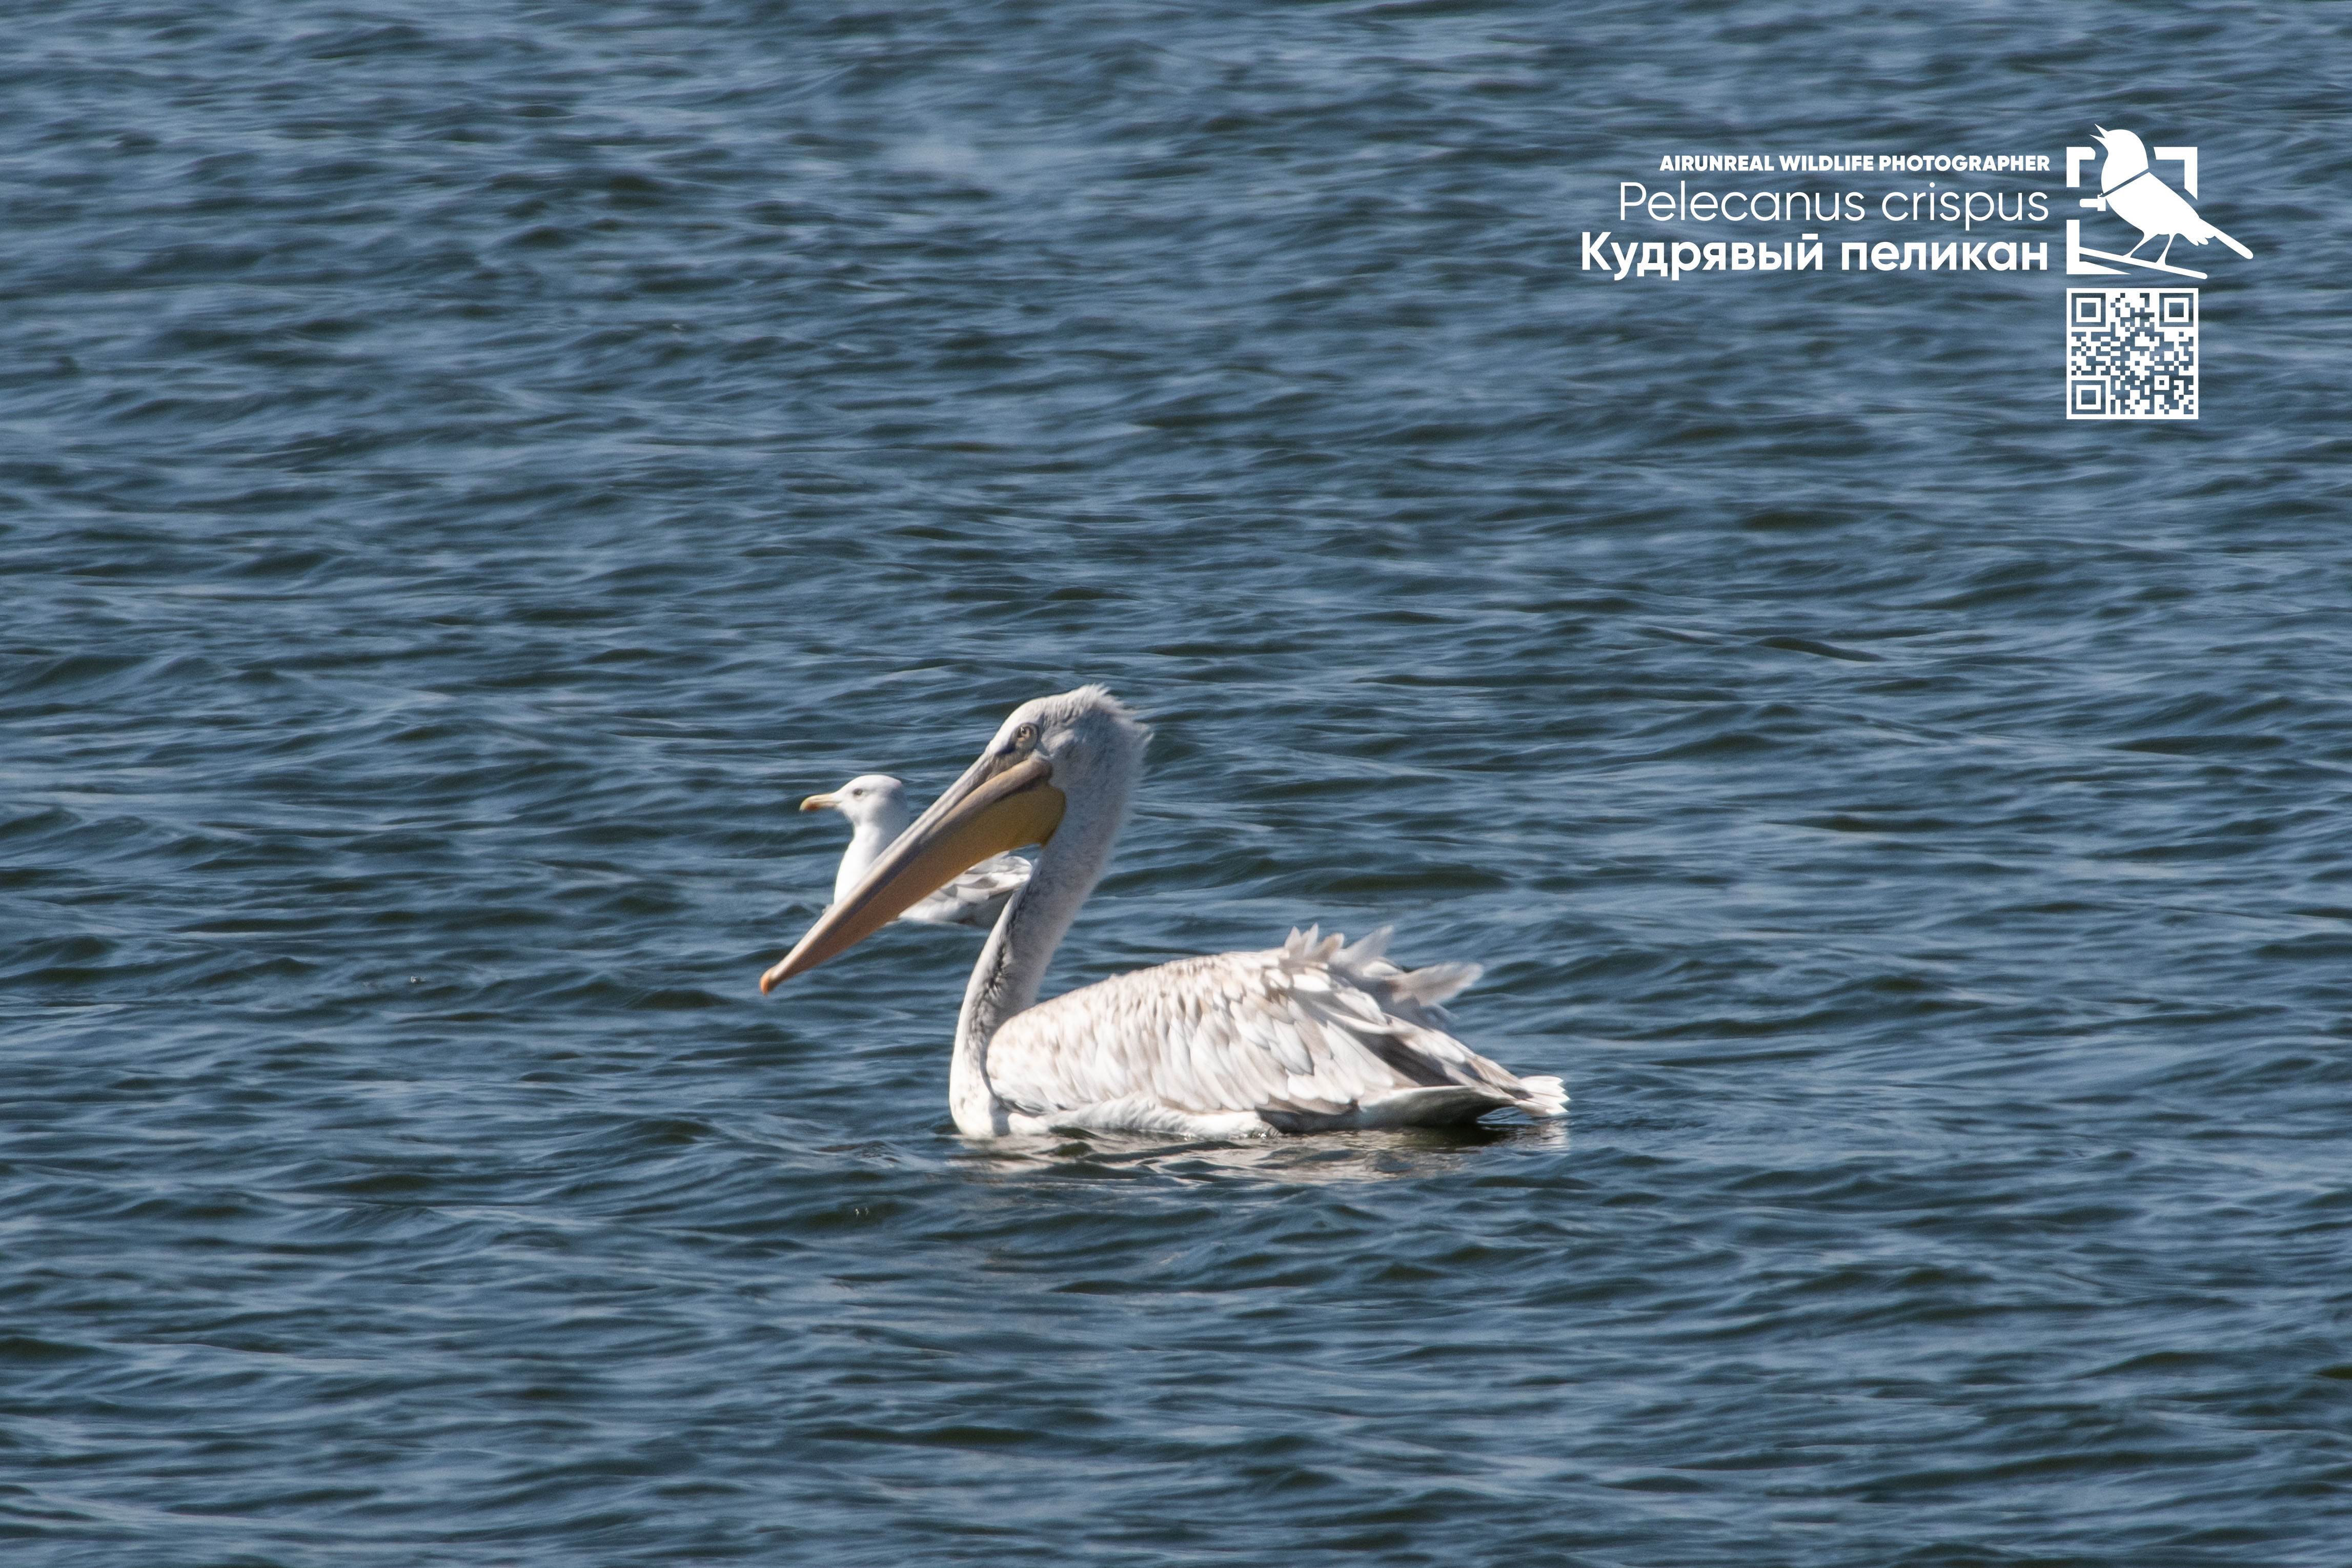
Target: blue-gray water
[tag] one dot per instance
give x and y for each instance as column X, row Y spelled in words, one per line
column 467, row 472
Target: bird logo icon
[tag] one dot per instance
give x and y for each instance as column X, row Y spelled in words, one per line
column 2131, row 189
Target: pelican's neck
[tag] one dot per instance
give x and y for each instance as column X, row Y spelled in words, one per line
column 869, row 836
column 1013, row 963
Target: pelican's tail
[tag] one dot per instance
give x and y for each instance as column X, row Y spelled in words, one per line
column 1545, row 1097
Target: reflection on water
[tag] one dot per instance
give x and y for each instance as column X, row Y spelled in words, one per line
column 1322, row 1158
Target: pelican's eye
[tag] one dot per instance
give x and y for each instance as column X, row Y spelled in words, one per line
column 1025, row 739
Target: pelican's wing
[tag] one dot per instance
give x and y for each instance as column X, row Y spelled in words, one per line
column 976, row 897
column 1307, row 1035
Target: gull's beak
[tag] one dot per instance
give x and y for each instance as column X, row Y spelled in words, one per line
column 991, row 809
column 820, row 802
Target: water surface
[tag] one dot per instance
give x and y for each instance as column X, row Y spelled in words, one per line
column 463, row 479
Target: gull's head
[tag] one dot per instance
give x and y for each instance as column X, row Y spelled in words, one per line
column 1072, row 757
column 868, row 797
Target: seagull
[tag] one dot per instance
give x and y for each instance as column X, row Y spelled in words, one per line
column 2133, row 192
column 876, row 805
column 1316, row 1034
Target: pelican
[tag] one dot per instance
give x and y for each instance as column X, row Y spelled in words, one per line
column 876, row 805
column 1310, row 1036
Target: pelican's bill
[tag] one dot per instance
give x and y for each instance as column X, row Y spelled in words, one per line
column 987, row 812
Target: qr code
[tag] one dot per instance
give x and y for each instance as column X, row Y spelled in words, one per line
column 2131, row 353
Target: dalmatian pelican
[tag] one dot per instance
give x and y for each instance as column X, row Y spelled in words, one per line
column 876, row 805
column 1313, row 1035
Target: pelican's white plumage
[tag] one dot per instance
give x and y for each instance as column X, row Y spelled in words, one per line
column 876, row 805
column 1309, row 1036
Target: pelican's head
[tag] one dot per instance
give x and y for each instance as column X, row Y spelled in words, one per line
column 1058, row 763
column 874, row 799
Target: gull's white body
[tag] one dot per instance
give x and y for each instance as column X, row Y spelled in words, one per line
column 1309, row 1036
column 876, row 805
